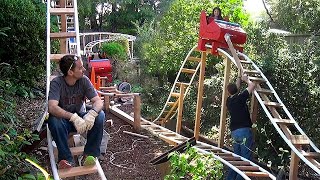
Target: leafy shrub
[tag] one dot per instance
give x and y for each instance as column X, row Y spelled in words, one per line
column 193, row 165
column 114, row 50
column 24, row 46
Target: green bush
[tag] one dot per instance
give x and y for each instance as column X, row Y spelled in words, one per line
column 24, row 46
column 114, row 50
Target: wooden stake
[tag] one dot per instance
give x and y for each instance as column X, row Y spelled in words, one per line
column 137, row 112
column 180, row 108
column 223, row 113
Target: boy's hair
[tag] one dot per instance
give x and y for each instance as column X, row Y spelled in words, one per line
column 232, row 88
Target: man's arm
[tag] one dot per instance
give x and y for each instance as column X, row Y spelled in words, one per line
column 250, row 84
column 97, row 103
column 57, row 111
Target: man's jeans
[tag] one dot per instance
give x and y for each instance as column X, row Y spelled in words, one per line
column 242, row 145
column 60, row 129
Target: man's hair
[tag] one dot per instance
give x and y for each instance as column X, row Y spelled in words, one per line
column 232, row 88
column 65, row 63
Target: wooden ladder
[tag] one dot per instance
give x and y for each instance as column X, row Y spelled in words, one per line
column 65, row 9
column 185, row 77
column 280, row 117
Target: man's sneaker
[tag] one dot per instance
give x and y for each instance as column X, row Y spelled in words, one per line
column 88, row 161
column 64, row 164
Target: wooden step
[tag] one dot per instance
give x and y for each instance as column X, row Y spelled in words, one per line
column 169, row 134
column 60, row 11
column 256, row 174
column 224, row 154
column 310, row 154
column 194, row 59
column 77, row 150
column 283, row 121
column 299, row 139
column 274, row 104
column 230, row 158
column 175, row 94
column 179, row 83
column 256, row 79
column 242, row 163
column 56, row 57
column 248, row 168
column 264, row 91
column 61, row 35
column 190, row 71
column 171, row 103
column 248, row 71
column 77, row 171
column 245, row 62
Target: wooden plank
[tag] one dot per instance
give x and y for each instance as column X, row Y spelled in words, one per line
column 57, row 57
column 248, row 71
column 256, row 174
column 190, row 58
column 264, row 91
column 310, row 154
column 293, row 173
column 299, row 139
column 180, row 83
column 78, row 150
column 175, row 94
column 248, row 168
column 242, row 163
column 256, row 79
column 169, row 134
column 283, row 121
column 61, row 35
column 77, row 171
column 171, row 103
column 245, row 62
column 230, row 158
column 274, row 104
column 190, row 71
column 59, row 11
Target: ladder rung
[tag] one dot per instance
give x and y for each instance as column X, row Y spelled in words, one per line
column 248, row 168
column 171, row 103
column 223, row 154
column 77, row 150
column 248, row 71
column 168, row 112
column 194, row 59
column 191, row 71
column 61, row 35
column 77, row 171
column 175, row 94
column 310, row 154
column 180, row 83
column 264, row 91
column 169, row 134
column 230, row 158
column 243, row 163
column 58, row 11
column 274, row 104
column 257, row 174
column 256, row 79
column 283, row 121
column 245, row 62
column 57, row 57
column 299, row 139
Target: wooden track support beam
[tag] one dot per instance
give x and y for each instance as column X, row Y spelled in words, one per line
column 180, row 109
column 200, row 94
column 223, row 113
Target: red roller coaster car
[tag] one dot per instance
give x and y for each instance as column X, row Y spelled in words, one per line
column 213, row 31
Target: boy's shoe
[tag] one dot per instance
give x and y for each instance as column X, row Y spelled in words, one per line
column 88, row 160
column 64, row 164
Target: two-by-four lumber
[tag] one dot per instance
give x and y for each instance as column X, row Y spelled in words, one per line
column 77, row 171
column 59, row 11
column 62, row 35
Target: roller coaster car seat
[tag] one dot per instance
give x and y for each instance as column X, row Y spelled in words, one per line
column 102, row 68
column 213, row 31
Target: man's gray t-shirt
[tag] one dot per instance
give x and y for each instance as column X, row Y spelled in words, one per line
column 71, row 98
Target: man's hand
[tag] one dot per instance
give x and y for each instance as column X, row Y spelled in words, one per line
column 245, row 78
column 90, row 118
column 79, row 123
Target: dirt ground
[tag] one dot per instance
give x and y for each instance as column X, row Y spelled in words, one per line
column 127, row 157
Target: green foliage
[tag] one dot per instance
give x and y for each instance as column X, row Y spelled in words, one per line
column 11, row 138
column 23, row 48
column 114, row 50
column 296, row 16
column 193, row 165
